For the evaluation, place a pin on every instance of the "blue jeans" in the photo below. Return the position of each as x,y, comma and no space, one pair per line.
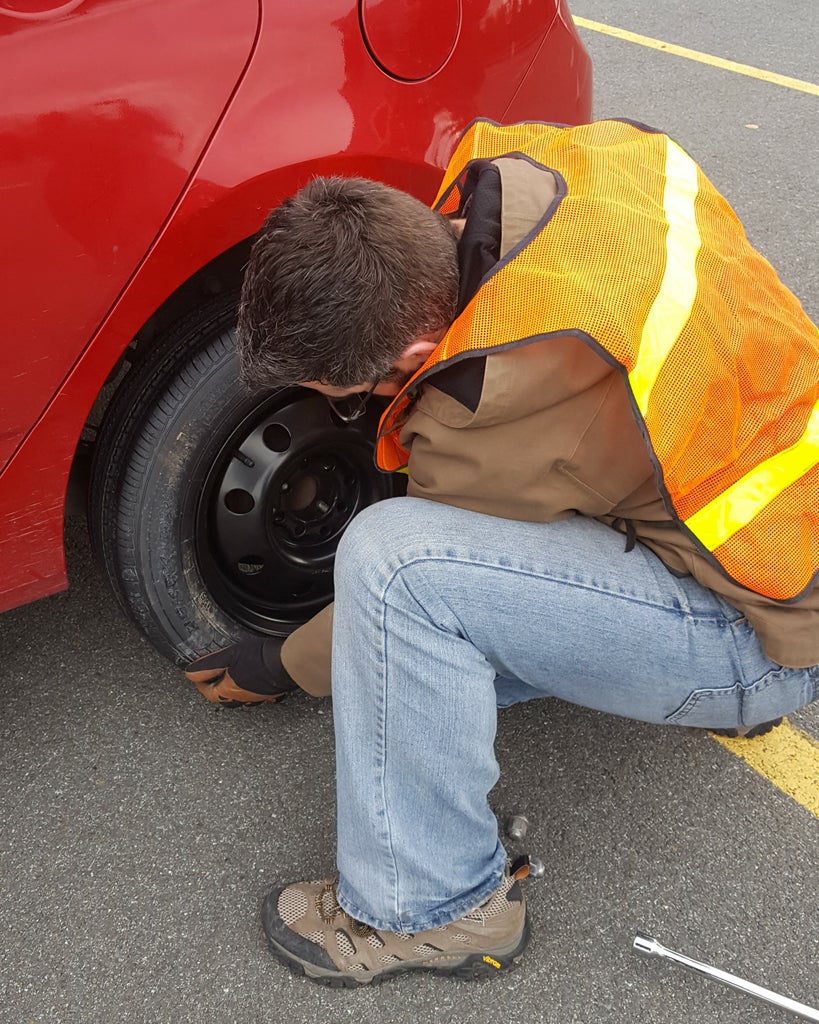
441,615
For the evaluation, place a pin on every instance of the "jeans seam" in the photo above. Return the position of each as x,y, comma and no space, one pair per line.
384,692
382,719
531,574
458,909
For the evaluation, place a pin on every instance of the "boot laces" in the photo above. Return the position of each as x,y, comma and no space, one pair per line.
328,909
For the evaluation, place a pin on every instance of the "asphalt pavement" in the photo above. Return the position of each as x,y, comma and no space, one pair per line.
141,827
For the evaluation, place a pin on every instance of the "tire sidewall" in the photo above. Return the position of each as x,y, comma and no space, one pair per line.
163,482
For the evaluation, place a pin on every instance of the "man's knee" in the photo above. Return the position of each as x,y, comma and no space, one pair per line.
390,533
375,533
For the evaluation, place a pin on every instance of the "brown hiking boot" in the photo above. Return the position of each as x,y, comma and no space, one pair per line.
748,733
308,931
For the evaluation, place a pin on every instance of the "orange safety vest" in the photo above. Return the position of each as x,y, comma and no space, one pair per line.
642,259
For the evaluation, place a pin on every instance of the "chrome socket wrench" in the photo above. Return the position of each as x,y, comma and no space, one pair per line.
646,946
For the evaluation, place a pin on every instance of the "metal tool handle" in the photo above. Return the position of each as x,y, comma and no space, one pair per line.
646,946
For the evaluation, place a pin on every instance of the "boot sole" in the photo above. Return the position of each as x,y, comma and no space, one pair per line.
758,730
470,967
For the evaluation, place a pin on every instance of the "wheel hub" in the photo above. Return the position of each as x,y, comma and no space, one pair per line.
313,503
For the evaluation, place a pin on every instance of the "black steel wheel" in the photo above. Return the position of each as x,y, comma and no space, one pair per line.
217,513
279,495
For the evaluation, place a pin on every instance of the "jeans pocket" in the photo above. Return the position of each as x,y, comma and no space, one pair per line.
710,708
779,692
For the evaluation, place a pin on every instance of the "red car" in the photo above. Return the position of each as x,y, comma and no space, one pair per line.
142,143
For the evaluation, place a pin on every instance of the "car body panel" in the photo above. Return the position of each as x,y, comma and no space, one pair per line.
410,39
328,108
94,152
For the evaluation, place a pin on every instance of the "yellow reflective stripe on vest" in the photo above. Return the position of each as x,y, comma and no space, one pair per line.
672,306
721,518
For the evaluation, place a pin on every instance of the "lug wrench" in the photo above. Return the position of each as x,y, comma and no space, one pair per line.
646,946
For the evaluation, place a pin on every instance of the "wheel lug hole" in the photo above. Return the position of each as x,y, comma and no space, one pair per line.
250,565
276,437
239,501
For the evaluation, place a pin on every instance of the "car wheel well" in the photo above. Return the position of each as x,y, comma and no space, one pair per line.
222,275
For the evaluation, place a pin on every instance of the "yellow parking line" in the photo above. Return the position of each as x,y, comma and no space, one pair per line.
787,757
703,58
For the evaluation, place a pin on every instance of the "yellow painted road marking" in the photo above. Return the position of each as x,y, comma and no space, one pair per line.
703,58
787,757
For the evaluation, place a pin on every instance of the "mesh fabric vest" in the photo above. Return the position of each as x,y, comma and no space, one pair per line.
642,259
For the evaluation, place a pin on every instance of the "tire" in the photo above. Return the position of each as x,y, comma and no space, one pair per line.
216,514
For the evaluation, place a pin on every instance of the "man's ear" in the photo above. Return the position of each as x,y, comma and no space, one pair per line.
417,352
421,347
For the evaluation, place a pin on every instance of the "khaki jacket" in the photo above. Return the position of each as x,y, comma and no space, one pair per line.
553,435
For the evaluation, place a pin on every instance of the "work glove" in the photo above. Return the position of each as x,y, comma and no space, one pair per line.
248,672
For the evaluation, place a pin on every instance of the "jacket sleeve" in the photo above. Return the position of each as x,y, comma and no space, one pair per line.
306,653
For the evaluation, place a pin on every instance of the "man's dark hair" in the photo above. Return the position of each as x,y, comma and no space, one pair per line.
342,277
